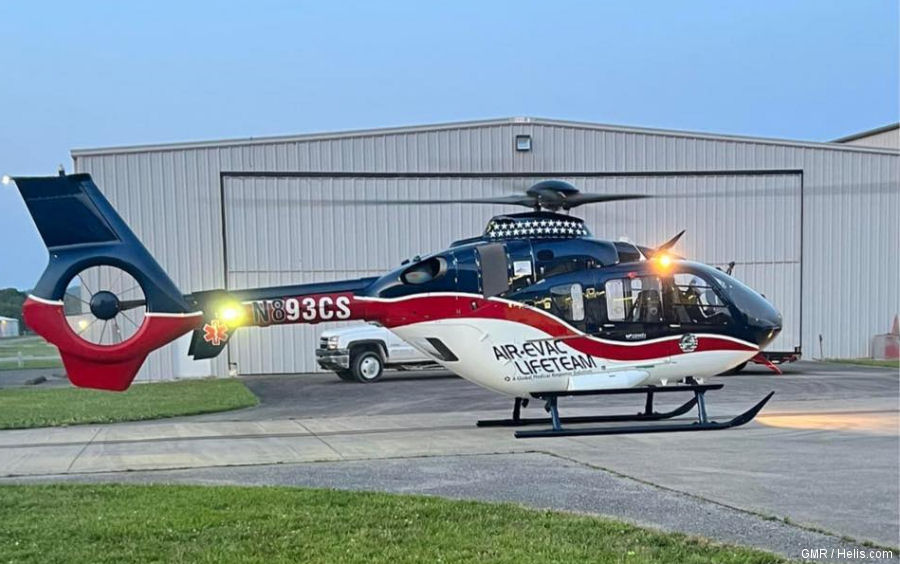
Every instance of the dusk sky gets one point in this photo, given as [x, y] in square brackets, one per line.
[120, 73]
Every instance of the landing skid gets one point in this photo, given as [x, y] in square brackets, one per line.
[647, 415]
[703, 423]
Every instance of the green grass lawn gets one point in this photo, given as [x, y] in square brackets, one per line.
[31, 363]
[128, 523]
[866, 362]
[28, 346]
[28, 407]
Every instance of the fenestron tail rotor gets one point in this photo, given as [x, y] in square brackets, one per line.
[104, 305]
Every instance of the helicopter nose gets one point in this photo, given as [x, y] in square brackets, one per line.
[766, 328]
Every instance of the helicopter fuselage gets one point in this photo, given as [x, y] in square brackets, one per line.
[554, 310]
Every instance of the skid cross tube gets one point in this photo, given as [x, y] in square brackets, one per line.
[702, 423]
[701, 407]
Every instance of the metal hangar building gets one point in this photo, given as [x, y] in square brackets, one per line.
[813, 226]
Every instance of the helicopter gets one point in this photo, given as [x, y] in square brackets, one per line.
[534, 308]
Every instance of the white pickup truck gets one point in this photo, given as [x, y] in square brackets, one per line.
[361, 353]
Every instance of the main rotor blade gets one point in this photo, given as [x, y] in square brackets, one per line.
[513, 200]
[581, 198]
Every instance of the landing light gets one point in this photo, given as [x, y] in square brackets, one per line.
[82, 323]
[231, 314]
[6, 179]
[662, 262]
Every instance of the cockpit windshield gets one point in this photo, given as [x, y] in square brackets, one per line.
[749, 301]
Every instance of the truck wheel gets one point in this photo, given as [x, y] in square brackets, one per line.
[346, 375]
[367, 366]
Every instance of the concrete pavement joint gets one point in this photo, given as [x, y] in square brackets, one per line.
[320, 439]
[83, 448]
[308, 433]
[22, 478]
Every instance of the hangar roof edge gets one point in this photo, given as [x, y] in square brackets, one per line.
[522, 121]
[867, 133]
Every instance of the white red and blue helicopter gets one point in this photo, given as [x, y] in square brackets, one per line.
[534, 308]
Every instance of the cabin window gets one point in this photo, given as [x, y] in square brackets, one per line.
[568, 301]
[636, 299]
[694, 300]
[565, 265]
[615, 299]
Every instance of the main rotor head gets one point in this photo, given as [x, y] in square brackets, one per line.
[555, 195]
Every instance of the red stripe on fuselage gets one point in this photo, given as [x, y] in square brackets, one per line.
[419, 309]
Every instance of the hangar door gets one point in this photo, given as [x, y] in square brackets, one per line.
[295, 228]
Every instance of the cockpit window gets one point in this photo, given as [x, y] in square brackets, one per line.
[694, 300]
[425, 271]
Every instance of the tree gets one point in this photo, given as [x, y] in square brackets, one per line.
[11, 301]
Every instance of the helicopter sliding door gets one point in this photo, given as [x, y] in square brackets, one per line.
[631, 308]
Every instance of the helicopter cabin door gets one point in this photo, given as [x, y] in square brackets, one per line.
[633, 308]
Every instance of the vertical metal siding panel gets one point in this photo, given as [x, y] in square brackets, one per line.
[845, 245]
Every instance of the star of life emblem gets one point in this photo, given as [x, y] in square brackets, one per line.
[215, 332]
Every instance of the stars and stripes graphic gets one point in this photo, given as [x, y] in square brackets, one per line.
[547, 228]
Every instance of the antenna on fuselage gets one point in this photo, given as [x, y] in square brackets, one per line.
[665, 246]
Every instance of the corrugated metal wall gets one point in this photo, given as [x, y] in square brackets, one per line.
[889, 139]
[851, 201]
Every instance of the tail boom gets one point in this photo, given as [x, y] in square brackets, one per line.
[225, 312]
